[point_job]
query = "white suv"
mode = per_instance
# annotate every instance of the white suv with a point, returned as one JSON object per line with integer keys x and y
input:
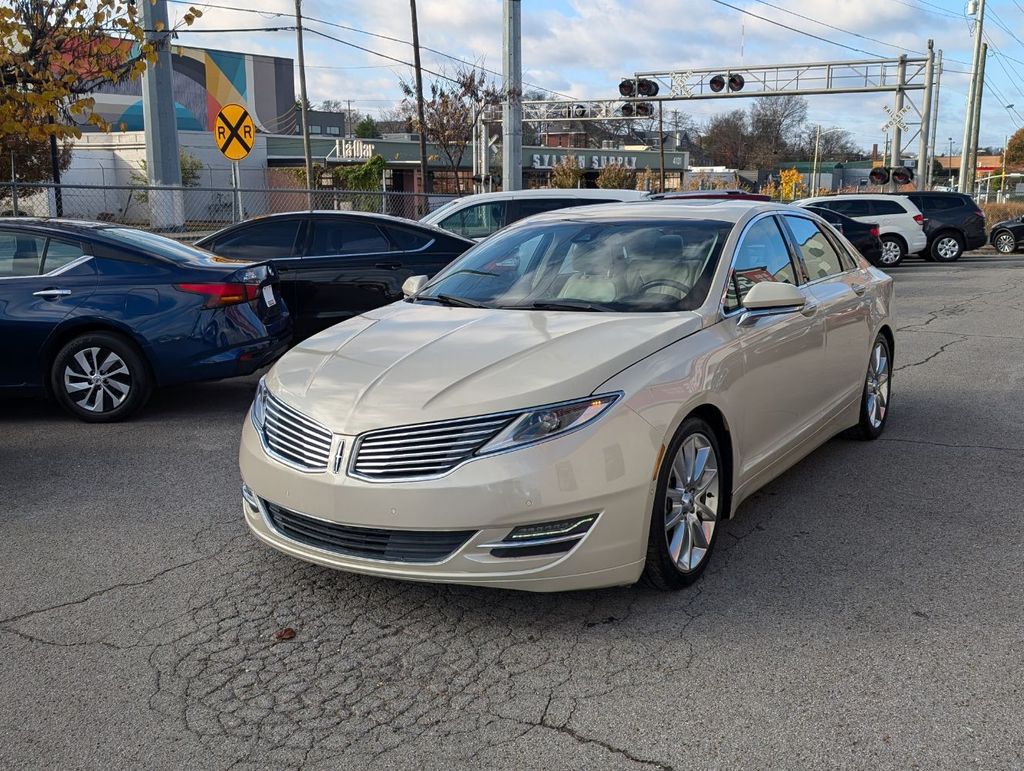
{"x": 478, "y": 216}
{"x": 900, "y": 223}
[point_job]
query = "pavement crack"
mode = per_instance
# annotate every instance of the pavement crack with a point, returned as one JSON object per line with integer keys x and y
{"x": 928, "y": 358}
{"x": 955, "y": 446}
{"x": 580, "y": 738}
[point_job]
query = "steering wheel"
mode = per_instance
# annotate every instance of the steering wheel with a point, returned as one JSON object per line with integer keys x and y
{"x": 648, "y": 285}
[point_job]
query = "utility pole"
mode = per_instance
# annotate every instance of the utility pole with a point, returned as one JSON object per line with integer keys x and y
{"x": 303, "y": 105}
{"x": 976, "y": 120}
{"x": 923, "y": 167}
{"x": 163, "y": 166}
{"x": 935, "y": 118}
{"x": 424, "y": 174}
{"x": 661, "y": 147}
{"x": 896, "y": 149}
{"x": 967, "y": 175}
{"x": 512, "y": 111}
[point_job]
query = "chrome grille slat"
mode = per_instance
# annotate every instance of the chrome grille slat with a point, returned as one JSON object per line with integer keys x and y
{"x": 408, "y": 453}
{"x": 294, "y": 438}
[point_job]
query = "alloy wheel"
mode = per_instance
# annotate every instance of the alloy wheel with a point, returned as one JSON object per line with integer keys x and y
{"x": 891, "y": 253}
{"x": 947, "y": 248}
{"x": 877, "y": 385}
{"x": 97, "y": 379}
{"x": 692, "y": 502}
{"x": 1005, "y": 243}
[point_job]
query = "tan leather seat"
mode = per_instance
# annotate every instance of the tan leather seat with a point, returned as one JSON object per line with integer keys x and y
{"x": 597, "y": 275}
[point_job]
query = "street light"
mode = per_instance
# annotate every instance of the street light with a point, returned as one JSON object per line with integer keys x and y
{"x": 817, "y": 145}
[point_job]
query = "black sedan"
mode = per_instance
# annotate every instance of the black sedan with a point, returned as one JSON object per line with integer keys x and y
{"x": 863, "y": 235}
{"x": 97, "y": 315}
{"x": 1008, "y": 236}
{"x": 335, "y": 265}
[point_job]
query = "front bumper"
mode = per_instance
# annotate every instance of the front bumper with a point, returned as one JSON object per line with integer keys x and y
{"x": 606, "y": 469}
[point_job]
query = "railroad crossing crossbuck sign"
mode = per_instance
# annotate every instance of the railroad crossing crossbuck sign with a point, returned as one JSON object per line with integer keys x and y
{"x": 895, "y": 118}
{"x": 234, "y": 132}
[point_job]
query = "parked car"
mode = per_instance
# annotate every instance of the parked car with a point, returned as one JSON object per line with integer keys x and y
{"x": 501, "y": 426}
{"x": 900, "y": 223}
{"x": 478, "y": 216}
{"x": 863, "y": 235}
{"x": 729, "y": 195}
{"x": 336, "y": 265}
{"x": 953, "y": 223}
{"x": 97, "y": 315}
{"x": 1008, "y": 236}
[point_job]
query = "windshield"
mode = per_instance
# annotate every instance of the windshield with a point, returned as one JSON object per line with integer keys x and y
{"x": 632, "y": 266}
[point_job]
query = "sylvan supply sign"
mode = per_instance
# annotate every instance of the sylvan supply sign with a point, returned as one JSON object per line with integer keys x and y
{"x": 550, "y": 160}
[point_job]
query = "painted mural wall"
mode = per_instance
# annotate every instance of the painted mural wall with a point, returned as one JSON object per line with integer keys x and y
{"x": 205, "y": 80}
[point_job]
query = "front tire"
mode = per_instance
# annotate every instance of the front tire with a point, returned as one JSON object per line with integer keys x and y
{"x": 875, "y": 398}
{"x": 100, "y": 377}
{"x": 893, "y": 252}
{"x": 948, "y": 247}
{"x": 690, "y": 500}
{"x": 1005, "y": 242}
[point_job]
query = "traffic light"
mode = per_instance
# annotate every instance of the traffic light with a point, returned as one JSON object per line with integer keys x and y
{"x": 631, "y": 87}
{"x": 637, "y": 110}
{"x": 734, "y": 81}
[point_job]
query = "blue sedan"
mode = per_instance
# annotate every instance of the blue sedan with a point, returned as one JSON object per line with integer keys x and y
{"x": 97, "y": 315}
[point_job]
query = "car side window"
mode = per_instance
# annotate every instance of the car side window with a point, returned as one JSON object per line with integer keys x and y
{"x": 851, "y": 208}
{"x": 530, "y": 206}
{"x": 819, "y": 255}
{"x": 409, "y": 240}
{"x": 761, "y": 256}
{"x": 335, "y": 238}
{"x": 477, "y": 221}
{"x": 262, "y": 240}
{"x": 59, "y": 254}
{"x": 20, "y": 254}
{"x": 884, "y": 207}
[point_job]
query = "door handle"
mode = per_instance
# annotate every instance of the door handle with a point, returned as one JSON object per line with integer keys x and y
{"x": 388, "y": 265}
{"x": 859, "y": 289}
{"x": 52, "y": 294}
{"x": 809, "y": 309}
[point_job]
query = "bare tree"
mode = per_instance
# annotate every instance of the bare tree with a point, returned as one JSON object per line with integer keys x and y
{"x": 776, "y": 126}
{"x": 726, "y": 139}
{"x": 451, "y": 110}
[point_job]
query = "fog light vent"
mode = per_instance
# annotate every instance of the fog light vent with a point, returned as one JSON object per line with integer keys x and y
{"x": 555, "y": 537}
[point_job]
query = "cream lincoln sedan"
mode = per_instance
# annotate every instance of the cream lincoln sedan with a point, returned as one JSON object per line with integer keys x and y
{"x": 576, "y": 402}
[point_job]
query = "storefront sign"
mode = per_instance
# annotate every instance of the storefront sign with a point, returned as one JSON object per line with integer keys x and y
{"x": 550, "y": 160}
{"x": 353, "y": 150}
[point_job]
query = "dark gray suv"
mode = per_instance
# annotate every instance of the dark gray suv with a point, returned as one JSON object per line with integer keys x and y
{"x": 953, "y": 223}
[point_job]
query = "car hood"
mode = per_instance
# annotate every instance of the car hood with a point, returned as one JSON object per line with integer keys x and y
{"x": 413, "y": 363}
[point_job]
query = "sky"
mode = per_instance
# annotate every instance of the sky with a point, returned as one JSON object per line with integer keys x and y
{"x": 582, "y": 48}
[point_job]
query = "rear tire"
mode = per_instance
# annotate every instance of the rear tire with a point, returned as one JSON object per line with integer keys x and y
{"x": 691, "y": 499}
{"x": 893, "y": 251}
{"x": 877, "y": 394}
{"x": 100, "y": 377}
{"x": 947, "y": 247}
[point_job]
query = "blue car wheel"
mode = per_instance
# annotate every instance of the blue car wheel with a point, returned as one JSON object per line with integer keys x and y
{"x": 100, "y": 377}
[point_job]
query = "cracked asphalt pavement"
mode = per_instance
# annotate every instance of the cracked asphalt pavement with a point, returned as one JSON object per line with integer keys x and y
{"x": 864, "y": 610}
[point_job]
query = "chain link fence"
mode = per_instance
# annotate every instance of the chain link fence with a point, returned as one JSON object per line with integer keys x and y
{"x": 192, "y": 212}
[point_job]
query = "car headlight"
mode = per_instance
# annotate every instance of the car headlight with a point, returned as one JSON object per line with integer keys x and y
{"x": 548, "y": 422}
{"x": 259, "y": 404}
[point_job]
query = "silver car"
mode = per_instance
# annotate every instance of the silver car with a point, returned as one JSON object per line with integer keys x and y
{"x": 576, "y": 402}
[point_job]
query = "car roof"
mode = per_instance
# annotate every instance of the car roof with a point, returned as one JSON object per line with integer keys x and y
{"x": 697, "y": 208}
{"x": 381, "y": 219}
{"x": 556, "y": 192}
{"x": 55, "y": 223}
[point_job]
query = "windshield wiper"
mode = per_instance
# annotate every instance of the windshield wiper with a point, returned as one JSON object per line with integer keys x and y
{"x": 561, "y": 305}
{"x": 455, "y": 302}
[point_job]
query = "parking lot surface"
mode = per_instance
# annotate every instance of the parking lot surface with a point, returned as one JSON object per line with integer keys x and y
{"x": 863, "y": 610}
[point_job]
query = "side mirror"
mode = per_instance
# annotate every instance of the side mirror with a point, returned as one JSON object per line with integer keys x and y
{"x": 773, "y": 295}
{"x": 413, "y": 285}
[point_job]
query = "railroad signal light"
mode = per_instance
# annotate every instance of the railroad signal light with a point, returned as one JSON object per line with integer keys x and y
{"x": 902, "y": 175}
{"x": 627, "y": 88}
{"x": 577, "y": 111}
{"x": 734, "y": 81}
{"x": 631, "y": 87}
{"x": 637, "y": 110}
{"x": 878, "y": 175}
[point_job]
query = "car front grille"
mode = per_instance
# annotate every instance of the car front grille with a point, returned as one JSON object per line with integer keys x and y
{"x": 295, "y": 439}
{"x": 423, "y": 450}
{"x": 375, "y": 543}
